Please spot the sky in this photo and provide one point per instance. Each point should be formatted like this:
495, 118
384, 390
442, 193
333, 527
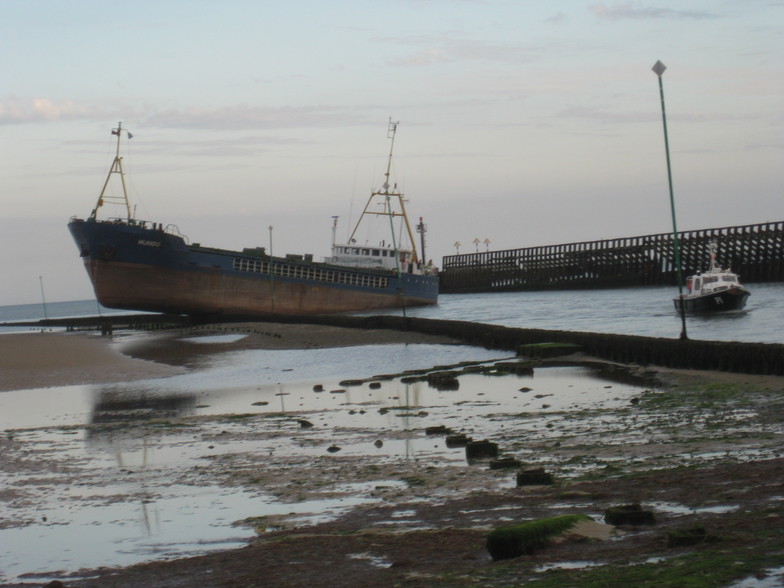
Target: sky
521, 122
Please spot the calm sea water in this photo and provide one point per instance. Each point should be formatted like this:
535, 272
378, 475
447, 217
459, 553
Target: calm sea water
632, 311
645, 311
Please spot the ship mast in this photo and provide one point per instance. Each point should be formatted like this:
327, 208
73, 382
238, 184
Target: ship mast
116, 168
421, 228
388, 196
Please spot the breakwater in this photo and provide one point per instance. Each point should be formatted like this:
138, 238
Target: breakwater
756, 252
109, 323
729, 356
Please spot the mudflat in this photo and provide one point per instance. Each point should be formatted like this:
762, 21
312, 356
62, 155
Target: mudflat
699, 449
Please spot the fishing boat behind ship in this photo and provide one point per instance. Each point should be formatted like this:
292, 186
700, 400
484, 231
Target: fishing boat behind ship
715, 290
148, 266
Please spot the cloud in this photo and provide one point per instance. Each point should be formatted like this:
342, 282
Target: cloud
557, 18
605, 116
241, 117
15, 110
635, 10
426, 57
613, 117
461, 50
234, 146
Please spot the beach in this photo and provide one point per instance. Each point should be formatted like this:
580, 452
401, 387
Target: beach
45, 359
698, 448
40, 360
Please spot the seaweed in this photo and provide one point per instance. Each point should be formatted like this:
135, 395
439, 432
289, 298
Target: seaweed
526, 538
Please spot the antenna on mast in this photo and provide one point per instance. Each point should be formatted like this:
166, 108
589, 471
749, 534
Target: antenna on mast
334, 228
116, 168
421, 228
391, 131
387, 198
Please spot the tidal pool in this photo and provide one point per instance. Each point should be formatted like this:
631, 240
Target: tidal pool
110, 475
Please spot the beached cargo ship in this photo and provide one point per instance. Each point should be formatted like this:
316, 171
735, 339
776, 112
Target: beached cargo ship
148, 266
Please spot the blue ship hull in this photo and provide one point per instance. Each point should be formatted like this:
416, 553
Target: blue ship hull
137, 265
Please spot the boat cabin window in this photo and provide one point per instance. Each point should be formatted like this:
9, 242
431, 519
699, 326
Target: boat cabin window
711, 279
728, 278
376, 253
697, 284
366, 252
355, 251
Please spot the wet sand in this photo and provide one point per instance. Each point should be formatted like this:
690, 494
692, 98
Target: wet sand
635, 454
42, 360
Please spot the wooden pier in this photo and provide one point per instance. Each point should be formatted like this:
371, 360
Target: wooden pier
756, 252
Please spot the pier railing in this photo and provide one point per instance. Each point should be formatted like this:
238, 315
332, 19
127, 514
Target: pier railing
756, 252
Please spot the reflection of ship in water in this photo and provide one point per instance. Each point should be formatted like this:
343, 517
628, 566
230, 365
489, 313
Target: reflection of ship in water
129, 405
120, 420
